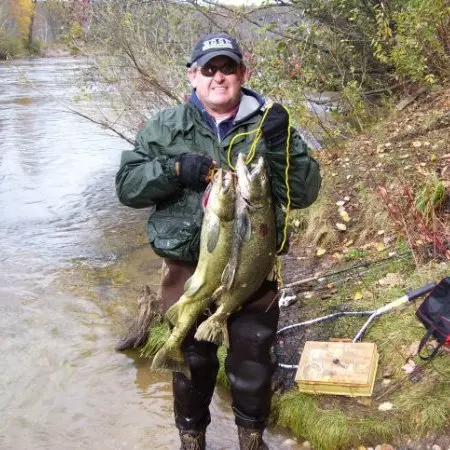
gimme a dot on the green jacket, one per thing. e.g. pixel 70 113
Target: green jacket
pixel 147 177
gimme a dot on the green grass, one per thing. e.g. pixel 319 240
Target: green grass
pixel 418 406
pixel 426 403
pixel 222 377
pixel 325 429
pixel 156 338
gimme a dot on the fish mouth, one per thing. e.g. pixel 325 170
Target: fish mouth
pixel 228 182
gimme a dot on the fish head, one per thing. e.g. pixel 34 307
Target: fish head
pixel 243 176
pixel 254 184
pixel 222 195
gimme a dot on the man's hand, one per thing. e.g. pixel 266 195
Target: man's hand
pixel 275 126
pixel 194 170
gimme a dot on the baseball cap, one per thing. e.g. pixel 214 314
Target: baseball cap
pixel 215 44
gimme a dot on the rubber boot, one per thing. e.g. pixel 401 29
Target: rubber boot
pixel 250 439
pixel 192 440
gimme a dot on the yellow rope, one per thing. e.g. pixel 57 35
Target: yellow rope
pixel 251 155
pixel 252 151
pixel 288 188
pixel 230 164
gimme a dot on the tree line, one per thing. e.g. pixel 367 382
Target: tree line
pixel 364 50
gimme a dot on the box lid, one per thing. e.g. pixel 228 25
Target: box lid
pixel 337 363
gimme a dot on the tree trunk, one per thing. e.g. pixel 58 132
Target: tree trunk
pixel 30 30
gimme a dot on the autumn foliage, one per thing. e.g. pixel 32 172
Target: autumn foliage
pixel 23 13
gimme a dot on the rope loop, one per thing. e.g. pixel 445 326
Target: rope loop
pixel 251 154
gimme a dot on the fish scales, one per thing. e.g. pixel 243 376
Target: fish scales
pixel 253 250
pixel 205 284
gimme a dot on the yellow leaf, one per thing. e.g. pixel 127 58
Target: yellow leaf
pixel 22 11
pixel 320 251
pixel 345 216
pixel 341 226
pixel 380 246
pixel 358 295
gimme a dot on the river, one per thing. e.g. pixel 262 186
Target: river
pixel 72 260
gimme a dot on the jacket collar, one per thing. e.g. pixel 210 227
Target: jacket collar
pixel 250 103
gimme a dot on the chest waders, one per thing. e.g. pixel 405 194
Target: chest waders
pixel 249 365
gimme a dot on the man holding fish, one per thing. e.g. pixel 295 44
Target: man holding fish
pixel 219 247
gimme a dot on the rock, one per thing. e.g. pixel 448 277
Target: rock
pixel 289 443
pixel 388 371
pixel 412 350
pixel 443 442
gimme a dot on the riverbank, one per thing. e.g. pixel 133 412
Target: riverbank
pixel 370 240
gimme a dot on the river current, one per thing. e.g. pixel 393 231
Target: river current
pixel 72 260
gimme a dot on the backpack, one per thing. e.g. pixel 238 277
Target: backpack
pixel 434 313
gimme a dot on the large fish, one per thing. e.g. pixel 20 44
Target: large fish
pixel 253 250
pixel 205 284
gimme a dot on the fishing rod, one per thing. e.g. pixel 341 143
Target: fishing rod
pixel 286 296
pixel 348 269
pixel 373 314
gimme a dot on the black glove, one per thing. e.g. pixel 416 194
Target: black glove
pixel 275 126
pixel 193 169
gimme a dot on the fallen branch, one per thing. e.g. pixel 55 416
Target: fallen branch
pixel 363 265
pixel 402 104
pixel 149 313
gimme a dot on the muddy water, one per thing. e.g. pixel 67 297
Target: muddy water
pixel 71 262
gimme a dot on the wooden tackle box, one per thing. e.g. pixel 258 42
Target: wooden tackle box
pixel 338 368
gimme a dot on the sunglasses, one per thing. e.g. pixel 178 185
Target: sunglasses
pixel 227 69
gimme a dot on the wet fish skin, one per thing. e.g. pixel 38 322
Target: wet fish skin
pixel 253 251
pixel 205 284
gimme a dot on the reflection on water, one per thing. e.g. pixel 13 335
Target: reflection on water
pixel 72 260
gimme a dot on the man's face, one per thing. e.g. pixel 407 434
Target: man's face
pixel 220 92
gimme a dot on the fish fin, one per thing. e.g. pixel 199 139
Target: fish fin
pixel 172 313
pixel 170 358
pixel 210 330
pixel 216 294
pixel 192 285
pixel 226 336
pixel 213 233
pixel 228 275
pixel 243 227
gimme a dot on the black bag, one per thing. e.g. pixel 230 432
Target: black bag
pixel 434 313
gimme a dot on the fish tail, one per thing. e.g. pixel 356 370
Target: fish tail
pixel 172 314
pixel 211 330
pixel 170 358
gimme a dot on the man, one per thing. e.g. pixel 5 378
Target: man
pixel 168 171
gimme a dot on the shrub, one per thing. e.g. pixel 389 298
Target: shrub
pixel 35 47
pixel 9 47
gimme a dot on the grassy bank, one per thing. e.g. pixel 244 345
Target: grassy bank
pixel 385 197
